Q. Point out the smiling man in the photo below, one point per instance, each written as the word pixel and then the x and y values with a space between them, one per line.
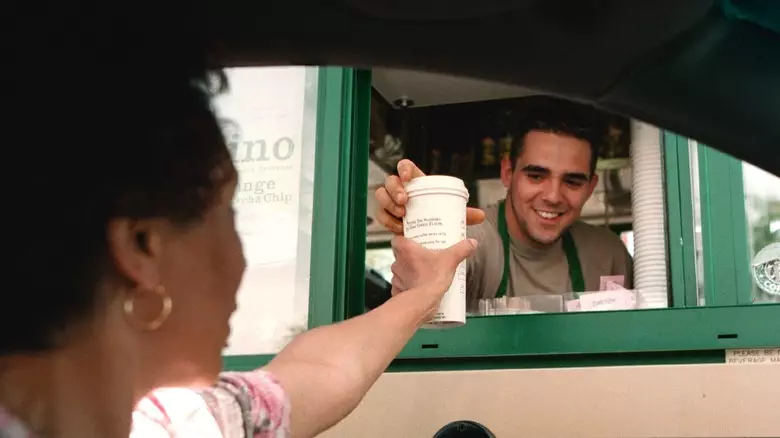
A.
pixel 532 242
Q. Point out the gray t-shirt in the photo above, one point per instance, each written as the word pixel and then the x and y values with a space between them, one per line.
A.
pixel 542 271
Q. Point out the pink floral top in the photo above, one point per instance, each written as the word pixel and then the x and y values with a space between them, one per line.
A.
pixel 249 404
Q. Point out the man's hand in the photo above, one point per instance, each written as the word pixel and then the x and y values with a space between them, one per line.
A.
pixel 392 198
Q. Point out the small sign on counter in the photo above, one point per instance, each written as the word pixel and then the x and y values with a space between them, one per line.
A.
pixel 619 299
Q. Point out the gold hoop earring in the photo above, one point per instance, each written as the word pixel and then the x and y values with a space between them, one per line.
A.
pixel 165 312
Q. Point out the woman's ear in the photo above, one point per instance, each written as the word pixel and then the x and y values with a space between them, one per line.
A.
pixel 135 247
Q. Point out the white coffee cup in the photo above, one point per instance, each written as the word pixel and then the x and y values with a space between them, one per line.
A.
pixel 436 219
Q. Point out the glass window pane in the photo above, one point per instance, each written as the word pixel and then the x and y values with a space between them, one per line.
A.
pixel 736 218
pixel 762 210
pixel 378 276
pixel 380 260
pixel 693 151
pixel 466 128
pixel 269 120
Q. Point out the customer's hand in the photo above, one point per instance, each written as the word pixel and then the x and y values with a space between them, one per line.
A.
pixel 392 198
pixel 430 271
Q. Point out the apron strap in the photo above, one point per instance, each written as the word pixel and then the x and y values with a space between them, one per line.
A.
pixel 573 260
pixel 502 230
pixel 569 249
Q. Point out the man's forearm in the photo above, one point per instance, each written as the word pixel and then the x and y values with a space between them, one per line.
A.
pixel 327 371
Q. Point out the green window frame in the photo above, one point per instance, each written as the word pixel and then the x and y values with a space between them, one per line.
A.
pixel 683 333
pixel 680 221
pixel 338 238
pixel 727 279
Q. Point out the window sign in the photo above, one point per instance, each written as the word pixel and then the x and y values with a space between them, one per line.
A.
pixel 268 117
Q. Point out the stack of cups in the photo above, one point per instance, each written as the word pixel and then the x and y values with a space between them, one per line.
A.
pixel 436 219
pixel 648 201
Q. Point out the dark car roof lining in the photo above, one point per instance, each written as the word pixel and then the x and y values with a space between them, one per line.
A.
pixel 720 85
pixel 682 65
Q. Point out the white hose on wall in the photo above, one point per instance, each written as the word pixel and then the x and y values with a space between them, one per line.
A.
pixel 647 202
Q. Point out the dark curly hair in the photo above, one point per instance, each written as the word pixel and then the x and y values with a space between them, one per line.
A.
pixel 109 116
pixel 558 116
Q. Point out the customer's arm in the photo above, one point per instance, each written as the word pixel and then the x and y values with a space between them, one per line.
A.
pixel 324 372
pixel 328 370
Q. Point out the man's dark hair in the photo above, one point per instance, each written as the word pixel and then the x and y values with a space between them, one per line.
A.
pixel 108 115
pixel 557 116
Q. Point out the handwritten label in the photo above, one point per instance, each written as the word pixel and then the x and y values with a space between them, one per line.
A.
pixel 753 356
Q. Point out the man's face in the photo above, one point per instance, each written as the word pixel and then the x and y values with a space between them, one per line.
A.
pixel 548 186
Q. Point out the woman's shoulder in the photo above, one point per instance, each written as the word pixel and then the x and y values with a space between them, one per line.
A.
pixel 258 396
pixel 251 404
pixel 11 427
pixel 172 412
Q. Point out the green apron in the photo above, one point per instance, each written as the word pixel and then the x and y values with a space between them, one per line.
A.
pixel 573 260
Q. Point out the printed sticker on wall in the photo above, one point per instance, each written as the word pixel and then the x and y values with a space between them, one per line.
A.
pixel 766 269
pixel 753 356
